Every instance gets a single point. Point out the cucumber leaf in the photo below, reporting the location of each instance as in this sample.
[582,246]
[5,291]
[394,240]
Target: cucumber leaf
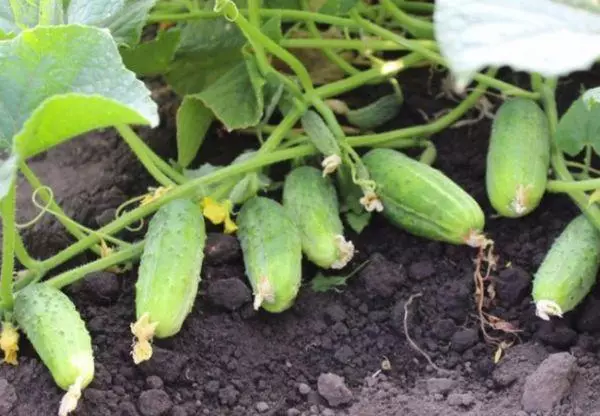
[533,35]
[334,7]
[580,125]
[153,57]
[193,121]
[236,98]
[58,82]
[358,222]
[124,18]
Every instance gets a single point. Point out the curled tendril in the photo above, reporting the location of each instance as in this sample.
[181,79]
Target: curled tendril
[43,208]
[229,9]
[119,212]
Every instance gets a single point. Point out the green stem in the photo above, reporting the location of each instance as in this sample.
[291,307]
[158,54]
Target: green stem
[434,57]
[282,129]
[259,40]
[558,186]
[254,20]
[165,167]
[23,256]
[138,146]
[557,160]
[7,208]
[417,27]
[285,15]
[187,189]
[587,160]
[582,167]
[329,53]
[357,44]
[387,70]
[424,130]
[71,276]
[415,6]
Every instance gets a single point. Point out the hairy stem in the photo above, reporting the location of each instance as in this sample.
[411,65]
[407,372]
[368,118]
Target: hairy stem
[7,208]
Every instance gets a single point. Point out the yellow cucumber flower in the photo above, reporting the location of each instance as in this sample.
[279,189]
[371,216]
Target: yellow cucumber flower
[219,213]
[9,343]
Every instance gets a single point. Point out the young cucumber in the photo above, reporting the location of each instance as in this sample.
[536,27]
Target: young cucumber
[311,201]
[169,273]
[568,272]
[272,250]
[423,201]
[518,158]
[59,336]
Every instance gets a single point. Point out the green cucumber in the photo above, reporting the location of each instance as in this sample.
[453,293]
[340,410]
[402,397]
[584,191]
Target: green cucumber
[169,273]
[311,200]
[518,158]
[58,334]
[568,272]
[377,113]
[424,201]
[272,250]
[323,139]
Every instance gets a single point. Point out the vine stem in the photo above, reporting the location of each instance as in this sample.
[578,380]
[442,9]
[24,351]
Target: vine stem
[566,186]
[286,15]
[417,27]
[71,276]
[591,211]
[372,44]
[138,147]
[7,208]
[23,256]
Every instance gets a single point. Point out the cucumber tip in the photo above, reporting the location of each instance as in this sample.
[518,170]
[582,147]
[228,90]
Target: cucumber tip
[544,309]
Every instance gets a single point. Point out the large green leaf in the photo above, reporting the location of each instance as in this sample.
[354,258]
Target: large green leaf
[551,37]
[57,82]
[580,125]
[236,98]
[193,121]
[153,57]
[124,18]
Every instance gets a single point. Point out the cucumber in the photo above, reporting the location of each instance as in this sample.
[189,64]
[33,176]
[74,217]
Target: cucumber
[424,201]
[312,203]
[568,272]
[377,113]
[169,273]
[323,139]
[518,158]
[272,250]
[59,336]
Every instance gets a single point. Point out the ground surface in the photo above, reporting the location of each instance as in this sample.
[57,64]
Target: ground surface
[237,362]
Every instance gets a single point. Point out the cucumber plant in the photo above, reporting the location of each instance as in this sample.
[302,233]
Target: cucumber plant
[72,67]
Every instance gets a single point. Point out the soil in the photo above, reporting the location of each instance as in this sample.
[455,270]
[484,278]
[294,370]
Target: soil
[343,352]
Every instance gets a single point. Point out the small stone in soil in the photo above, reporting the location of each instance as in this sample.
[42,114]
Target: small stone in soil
[461,399]
[154,402]
[421,270]
[166,364]
[293,412]
[222,249]
[334,313]
[333,389]
[383,277]
[8,397]
[513,285]
[262,407]
[101,288]
[464,339]
[230,293]
[304,389]
[154,382]
[444,329]
[344,354]
[228,396]
[440,385]
[549,383]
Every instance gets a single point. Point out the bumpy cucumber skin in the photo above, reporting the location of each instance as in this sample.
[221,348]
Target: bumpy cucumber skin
[272,250]
[569,270]
[422,200]
[57,332]
[518,157]
[169,272]
[311,201]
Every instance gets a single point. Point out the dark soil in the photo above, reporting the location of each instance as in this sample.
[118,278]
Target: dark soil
[325,355]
